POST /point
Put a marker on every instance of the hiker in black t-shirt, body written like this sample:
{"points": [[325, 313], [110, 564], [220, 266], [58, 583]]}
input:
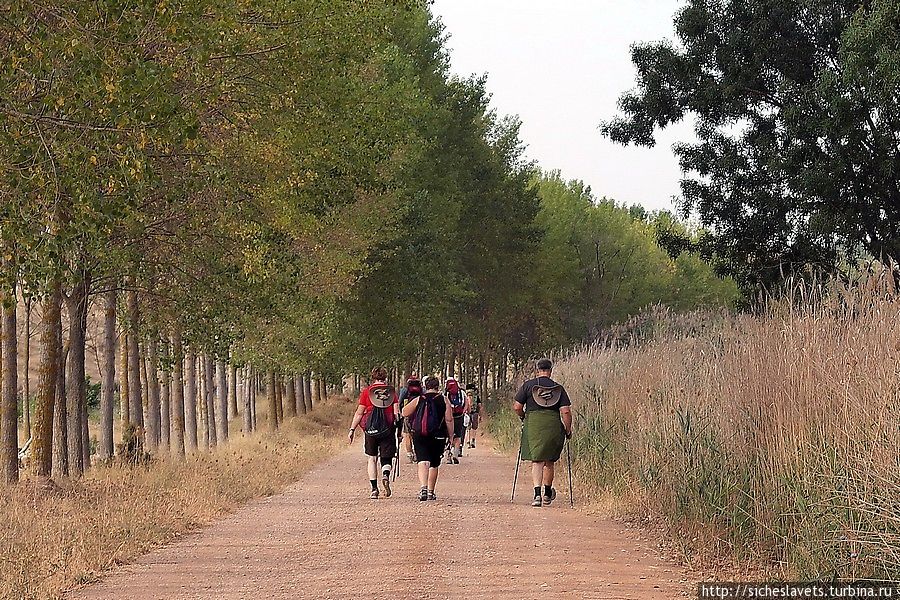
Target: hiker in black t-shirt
{"points": [[430, 422], [546, 411]]}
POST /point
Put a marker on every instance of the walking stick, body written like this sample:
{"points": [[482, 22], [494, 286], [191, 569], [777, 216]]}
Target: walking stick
{"points": [[569, 469], [516, 476]]}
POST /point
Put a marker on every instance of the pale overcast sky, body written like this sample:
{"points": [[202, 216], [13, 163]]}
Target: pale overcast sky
{"points": [[561, 66]]}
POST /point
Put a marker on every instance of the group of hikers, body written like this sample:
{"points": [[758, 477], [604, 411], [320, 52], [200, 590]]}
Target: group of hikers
{"points": [[433, 420]]}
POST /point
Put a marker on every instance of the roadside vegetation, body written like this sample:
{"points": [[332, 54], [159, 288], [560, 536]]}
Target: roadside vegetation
{"points": [[763, 442], [53, 540]]}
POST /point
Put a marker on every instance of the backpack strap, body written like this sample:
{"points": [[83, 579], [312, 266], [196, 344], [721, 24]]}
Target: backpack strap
{"points": [[547, 397]]}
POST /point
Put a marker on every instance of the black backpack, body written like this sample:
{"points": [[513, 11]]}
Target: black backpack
{"points": [[427, 419]]}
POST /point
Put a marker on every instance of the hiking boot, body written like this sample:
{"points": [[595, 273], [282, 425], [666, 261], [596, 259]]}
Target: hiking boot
{"points": [[536, 502], [423, 495], [374, 495], [454, 460], [473, 443], [386, 483], [431, 496], [547, 500]]}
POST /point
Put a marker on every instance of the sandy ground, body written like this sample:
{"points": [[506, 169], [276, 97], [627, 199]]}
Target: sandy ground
{"points": [[324, 538]]}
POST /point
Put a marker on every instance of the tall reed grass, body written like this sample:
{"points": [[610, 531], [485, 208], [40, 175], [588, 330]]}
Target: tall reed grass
{"points": [[772, 438]]}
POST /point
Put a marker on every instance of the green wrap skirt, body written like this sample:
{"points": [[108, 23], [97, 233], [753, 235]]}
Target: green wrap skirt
{"points": [[543, 436]]}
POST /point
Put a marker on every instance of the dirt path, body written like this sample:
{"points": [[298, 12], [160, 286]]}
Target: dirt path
{"points": [[323, 538]]}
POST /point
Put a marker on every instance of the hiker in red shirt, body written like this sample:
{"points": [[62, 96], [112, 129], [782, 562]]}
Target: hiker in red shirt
{"points": [[377, 413]]}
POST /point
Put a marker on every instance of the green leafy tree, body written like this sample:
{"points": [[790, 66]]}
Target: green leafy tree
{"points": [[797, 119]]}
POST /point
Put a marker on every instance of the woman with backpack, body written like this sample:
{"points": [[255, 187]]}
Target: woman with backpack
{"points": [[431, 421], [377, 413]]}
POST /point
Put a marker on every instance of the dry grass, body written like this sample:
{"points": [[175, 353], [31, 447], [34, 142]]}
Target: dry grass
{"points": [[52, 540], [770, 439]]}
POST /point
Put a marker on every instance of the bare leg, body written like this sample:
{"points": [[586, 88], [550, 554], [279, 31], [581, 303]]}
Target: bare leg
{"points": [[373, 467], [424, 475], [548, 473], [537, 473], [432, 477]]}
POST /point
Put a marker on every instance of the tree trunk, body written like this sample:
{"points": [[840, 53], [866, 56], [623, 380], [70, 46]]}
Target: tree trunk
{"points": [[178, 409], [307, 391], [247, 398], [190, 402], [272, 403], [223, 404], [232, 392], [145, 392], [290, 406], [301, 394], [202, 417], [124, 400], [108, 390], [165, 415], [323, 389], [42, 436], [154, 408], [253, 397], [26, 399], [9, 402], [279, 395], [135, 391], [75, 377], [60, 419], [209, 383]]}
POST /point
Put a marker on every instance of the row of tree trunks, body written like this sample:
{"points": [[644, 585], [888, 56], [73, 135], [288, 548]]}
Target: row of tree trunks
{"points": [[158, 406]]}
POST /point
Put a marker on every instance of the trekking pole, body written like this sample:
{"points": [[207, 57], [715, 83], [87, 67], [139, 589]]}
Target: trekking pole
{"points": [[512, 497], [569, 469]]}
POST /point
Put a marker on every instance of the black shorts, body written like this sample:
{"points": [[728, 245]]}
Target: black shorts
{"points": [[429, 449], [384, 445], [459, 426]]}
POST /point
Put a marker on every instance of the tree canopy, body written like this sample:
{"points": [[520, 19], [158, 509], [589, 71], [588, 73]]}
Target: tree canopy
{"points": [[797, 120]]}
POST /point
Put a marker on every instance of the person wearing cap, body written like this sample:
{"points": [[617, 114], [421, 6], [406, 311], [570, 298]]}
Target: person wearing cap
{"points": [[546, 413], [377, 414]]}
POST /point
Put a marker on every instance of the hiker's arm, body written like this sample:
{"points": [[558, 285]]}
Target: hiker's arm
{"points": [[448, 419], [410, 407], [357, 417], [565, 413], [519, 408], [519, 402]]}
